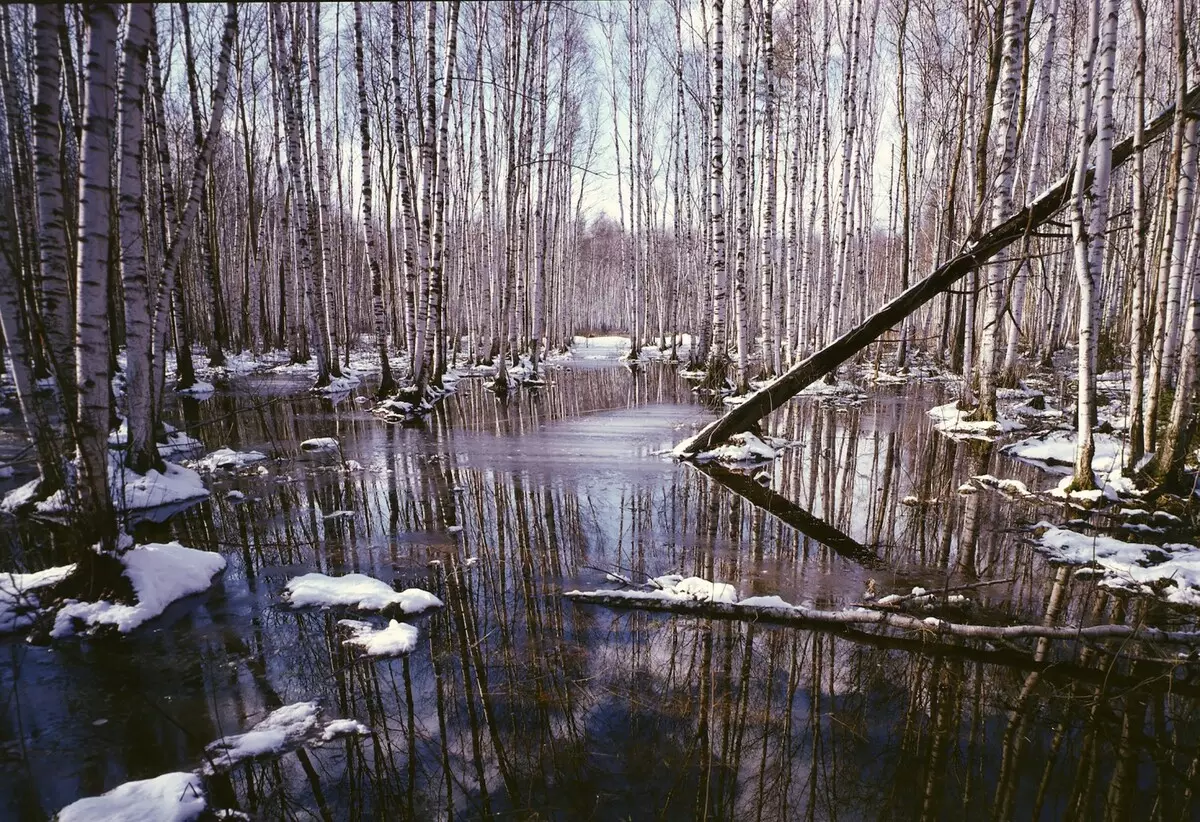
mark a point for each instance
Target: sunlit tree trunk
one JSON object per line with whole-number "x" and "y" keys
{"x": 1087, "y": 229}
{"x": 56, "y": 308}
{"x": 387, "y": 383}
{"x": 141, "y": 453}
{"x": 1002, "y": 196}
{"x": 718, "y": 263}
{"x": 322, "y": 234}
{"x": 95, "y": 229}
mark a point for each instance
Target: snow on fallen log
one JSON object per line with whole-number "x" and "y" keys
{"x": 397, "y": 639}
{"x": 744, "y": 448}
{"x": 172, "y": 797}
{"x": 160, "y": 573}
{"x": 284, "y": 730}
{"x": 779, "y": 612}
{"x": 357, "y": 591}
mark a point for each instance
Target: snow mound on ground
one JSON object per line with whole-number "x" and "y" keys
{"x": 226, "y": 459}
{"x": 172, "y": 797}
{"x": 1055, "y": 451}
{"x": 397, "y": 639}
{"x": 285, "y": 729}
{"x": 744, "y": 447}
{"x": 1011, "y": 487}
{"x": 956, "y": 423}
{"x": 177, "y": 441}
{"x": 1173, "y": 568}
{"x": 130, "y": 490}
{"x": 161, "y": 573}
{"x": 19, "y": 598}
{"x": 356, "y": 591}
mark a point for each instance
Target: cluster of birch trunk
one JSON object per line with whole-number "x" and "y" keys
{"x": 481, "y": 182}
{"x": 905, "y": 134}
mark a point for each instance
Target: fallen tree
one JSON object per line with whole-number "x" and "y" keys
{"x": 975, "y": 254}
{"x": 799, "y": 616}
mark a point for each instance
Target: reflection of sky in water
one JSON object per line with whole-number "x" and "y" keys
{"x": 532, "y": 704}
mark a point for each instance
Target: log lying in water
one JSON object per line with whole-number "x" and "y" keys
{"x": 762, "y": 402}
{"x": 800, "y": 617}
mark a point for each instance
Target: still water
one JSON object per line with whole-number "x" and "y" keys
{"x": 520, "y": 704}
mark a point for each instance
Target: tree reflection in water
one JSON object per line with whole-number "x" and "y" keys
{"x": 520, "y": 703}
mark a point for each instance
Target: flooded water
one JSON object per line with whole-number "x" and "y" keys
{"x": 518, "y": 703}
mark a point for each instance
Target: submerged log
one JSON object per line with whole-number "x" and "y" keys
{"x": 799, "y": 616}
{"x": 976, "y": 253}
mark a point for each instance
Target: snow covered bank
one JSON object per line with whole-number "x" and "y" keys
{"x": 284, "y": 729}
{"x": 161, "y": 573}
{"x": 19, "y": 601}
{"x": 1055, "y": 451}
{"x": 130, "y": 490}
{"x": 172, "y": 797}
{"x": 1171, "y": 571}
{"x": 356, "y": 591}
{"x": 397, "y": 639}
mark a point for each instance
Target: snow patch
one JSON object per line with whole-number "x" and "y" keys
{"x": 161, "y": 573}
{"x": 19, "y": 598}
{"x": 1172, "y": 569}
{"x": 285, "y": 729}
{"x": 198, "y": 389}
{"x": 744, "y": 448}
{"x": 172, "y": 797}
{"x": 397, "y": 639}
{"x": 356, "y": 591}
{"x": 956, "y": 423}
{"x": 226, "y": 459}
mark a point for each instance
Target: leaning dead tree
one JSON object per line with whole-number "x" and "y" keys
{"x": 972, "y": 257}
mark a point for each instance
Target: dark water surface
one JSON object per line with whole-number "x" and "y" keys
{"x": 520, "y": 704}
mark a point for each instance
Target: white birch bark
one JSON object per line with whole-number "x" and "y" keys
{"x": 141, "y": 453}
{"x": 95, "y": 228}
{"x": 718, "y": 263}
{"x": 387, "y": 383}
{"x": 1002, "y": 198}
{"x": 57, "y": 312}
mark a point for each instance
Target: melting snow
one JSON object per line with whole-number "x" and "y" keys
{"x": 285, "y": 729}
{"x": 19, "y": 598}
{"x": 357, "y": 591}
{"x": 956, "y": 423}
{"x": 226, "y": 459}
{"x": 1128, "y": 565}
{"x": 172, "y": 797}
{"x": 745, "y": 447}
{"x": 397, "y": 639}
{"x": 160, "y": 573}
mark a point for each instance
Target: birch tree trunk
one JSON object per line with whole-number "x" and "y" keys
{"x": 387, "y": 383}
{"x": 770, "y": 317}
{"x": 94, "y": 506}
{"x": 56, "y": 308}
{"x": 1039, "y": 126}
{"x": 141, "y": 453}
{"x": 742, "y": 204}
{"x": 718, "y": 263}
{"x": 323, "y": 276}
{"x": 1087, "y": 229}
{"x": 1006, "y": 175}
